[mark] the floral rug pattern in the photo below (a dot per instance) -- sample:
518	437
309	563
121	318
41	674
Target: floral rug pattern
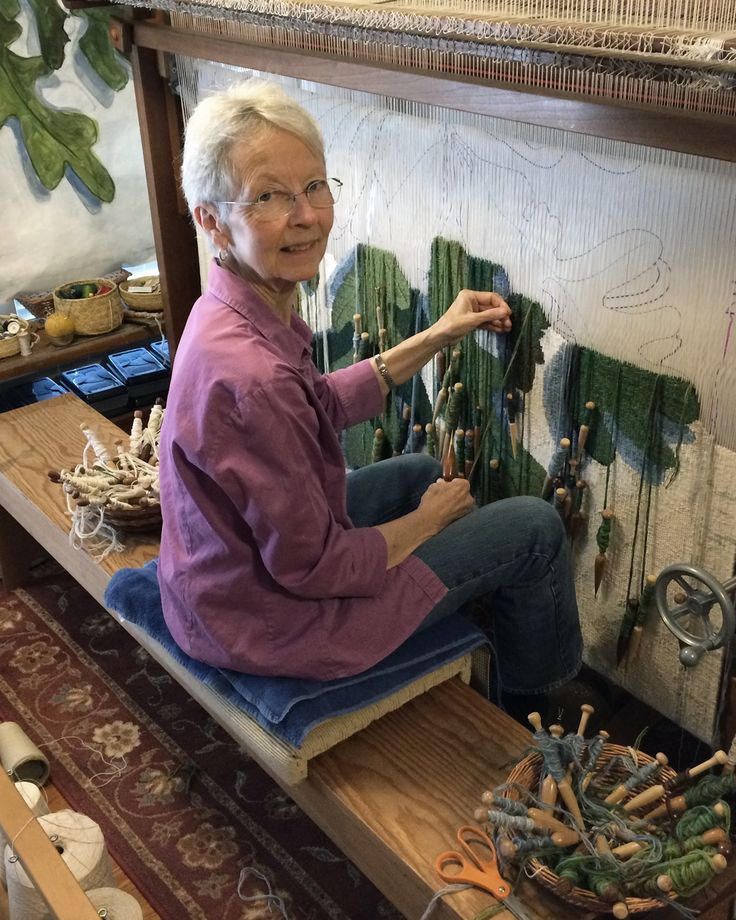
199	827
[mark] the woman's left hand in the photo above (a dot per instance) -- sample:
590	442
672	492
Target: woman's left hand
473	310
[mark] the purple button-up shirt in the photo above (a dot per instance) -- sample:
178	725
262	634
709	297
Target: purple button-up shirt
261	570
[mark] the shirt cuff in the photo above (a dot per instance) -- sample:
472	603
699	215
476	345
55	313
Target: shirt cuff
359	391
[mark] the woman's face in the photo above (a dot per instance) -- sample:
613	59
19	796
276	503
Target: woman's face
277	253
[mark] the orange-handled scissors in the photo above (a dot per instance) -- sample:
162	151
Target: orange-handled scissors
475	863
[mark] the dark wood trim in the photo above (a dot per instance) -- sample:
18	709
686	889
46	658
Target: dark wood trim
670	129
174	236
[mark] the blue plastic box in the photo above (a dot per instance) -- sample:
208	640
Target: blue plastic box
32	392
98	386
142	372
161	350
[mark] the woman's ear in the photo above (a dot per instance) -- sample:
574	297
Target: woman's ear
213	226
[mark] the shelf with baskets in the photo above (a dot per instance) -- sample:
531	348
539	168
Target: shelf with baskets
48	358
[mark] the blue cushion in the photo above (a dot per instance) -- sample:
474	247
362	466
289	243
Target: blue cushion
285	706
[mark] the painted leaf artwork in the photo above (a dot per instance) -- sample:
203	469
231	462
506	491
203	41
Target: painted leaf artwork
96	46
52	36
55	140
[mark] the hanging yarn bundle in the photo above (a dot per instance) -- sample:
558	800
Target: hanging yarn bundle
79	841
609	828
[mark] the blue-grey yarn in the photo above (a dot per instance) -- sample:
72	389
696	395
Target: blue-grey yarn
510	806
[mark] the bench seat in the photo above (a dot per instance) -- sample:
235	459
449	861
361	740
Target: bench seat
391	795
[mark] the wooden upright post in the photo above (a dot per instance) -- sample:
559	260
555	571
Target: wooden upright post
174	236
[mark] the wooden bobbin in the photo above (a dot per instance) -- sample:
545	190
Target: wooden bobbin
587	711
620	792
656	792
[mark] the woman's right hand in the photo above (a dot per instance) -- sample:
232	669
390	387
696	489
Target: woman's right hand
445	502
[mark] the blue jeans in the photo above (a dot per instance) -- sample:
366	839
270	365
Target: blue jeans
513	553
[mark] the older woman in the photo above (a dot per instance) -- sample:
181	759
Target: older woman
273	561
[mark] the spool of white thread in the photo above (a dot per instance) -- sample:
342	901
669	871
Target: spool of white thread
20	757
116	904
79	841
35	800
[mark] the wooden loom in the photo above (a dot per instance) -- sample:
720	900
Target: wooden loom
647	77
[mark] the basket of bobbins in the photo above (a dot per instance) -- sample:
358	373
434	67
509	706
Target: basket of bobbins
114	489
609	828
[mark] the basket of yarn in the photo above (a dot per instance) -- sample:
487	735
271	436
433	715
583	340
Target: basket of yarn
94	305
142	294
10	326
609	828
116	489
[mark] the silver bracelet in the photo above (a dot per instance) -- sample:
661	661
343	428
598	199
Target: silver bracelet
384	372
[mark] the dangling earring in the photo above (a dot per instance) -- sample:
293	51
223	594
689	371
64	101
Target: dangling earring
222	255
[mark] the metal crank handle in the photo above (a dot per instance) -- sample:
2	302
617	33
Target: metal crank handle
696	607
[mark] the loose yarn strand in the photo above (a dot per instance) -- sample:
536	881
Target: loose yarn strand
269	896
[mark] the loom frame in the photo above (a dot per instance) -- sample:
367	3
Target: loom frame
151	41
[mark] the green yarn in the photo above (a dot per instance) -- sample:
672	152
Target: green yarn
691	872
709	789
376	277
677	402
603	534
701	818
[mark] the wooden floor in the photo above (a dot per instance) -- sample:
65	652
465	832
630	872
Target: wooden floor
56	803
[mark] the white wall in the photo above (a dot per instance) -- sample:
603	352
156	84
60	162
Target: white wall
48	237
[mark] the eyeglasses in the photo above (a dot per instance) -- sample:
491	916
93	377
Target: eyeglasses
322	193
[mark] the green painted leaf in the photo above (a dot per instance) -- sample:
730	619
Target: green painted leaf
97	47
54	139
50	19
9	9
9	31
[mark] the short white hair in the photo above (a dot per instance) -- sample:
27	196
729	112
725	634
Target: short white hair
222	120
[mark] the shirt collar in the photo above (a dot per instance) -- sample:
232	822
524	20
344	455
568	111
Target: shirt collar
294	342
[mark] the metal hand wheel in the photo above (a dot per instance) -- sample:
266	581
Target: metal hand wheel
688	614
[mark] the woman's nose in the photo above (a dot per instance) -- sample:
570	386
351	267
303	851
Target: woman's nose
303	210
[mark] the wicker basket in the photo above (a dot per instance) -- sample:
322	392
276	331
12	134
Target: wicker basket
92	315
40	303
148	303
140	519
10	346
526	774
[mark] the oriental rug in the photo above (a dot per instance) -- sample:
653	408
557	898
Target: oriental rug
182	809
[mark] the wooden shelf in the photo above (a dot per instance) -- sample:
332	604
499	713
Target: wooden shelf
50	359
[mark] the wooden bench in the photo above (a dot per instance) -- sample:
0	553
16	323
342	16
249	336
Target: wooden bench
392	795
